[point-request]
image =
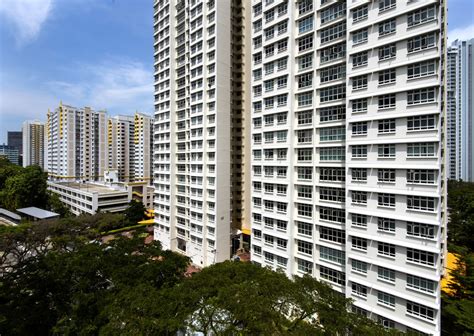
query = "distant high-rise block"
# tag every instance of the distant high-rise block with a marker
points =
(15, 140)
(76, 143)
(460, 110)
(201, 109)
(33, 143)
(9, 152)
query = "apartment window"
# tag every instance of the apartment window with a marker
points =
(387, 51)
(332, 255)
(282, 9)
(332, 73)
(360, 13)
(305, 117)
(332, 275)
(334, 235)
(305, 62)
(305, 43)
(268, 86)
(334, 12)
(421, 16)
(421, 284)
(386, 249)
(385, 299)
(305, 6)
(304, 266)
(305, 173)
(282, 63)
(360, 36)
(305, 154)
(421, 149)
(420, 257)
(305, 80)
(304, 247)
(359, 197)
(385, 5)
(332, 134)
(421, 69)
(385, 322)
(421, 96)
(305, 191)
(360, 59)
(305, 99)
(359, 128)
(387, 27)
(359, 266)
(387, 101)
(359, 82)
(305, 25)
(386, 151)
(281, 225)
(421, 42)
(257, 42)
(331, 194)
(332, 113)
(420, 230)
(386, 175)
(305, 136)
(332, 215)
(424, 122)
(386, 274)
(269, 50)
(359, 220)
(305, 229)
(359, 105)
(420, 311)
(421, 203)
(386, 126)
(257, 26)
(257, 74)
(332, 53)
(257, 9)
(282, 100)
(305, 210)
(333, 32)
(359, 290)
(387, 76)
(332, 154)
(282, 27)
(257, 234)
(359, 151)
(421, 176)
(332, 174)
(386, 224)
(359, 174)
(332, 93)
(359, 243)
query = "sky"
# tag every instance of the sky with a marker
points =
(96, 53)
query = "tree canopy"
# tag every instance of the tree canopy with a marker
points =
(62, 279)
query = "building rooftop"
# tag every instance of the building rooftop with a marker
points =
(9, 214)
(37, 213)
(90, 187)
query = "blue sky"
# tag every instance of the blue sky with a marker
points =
(96, 53)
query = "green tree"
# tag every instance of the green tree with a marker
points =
(55, 205)
(135, 212)
(461, 214)
(25, 189)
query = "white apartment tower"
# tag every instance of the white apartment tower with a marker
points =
(460, 110)
(120, 143)
(142, 147)
(348, 179)
(76, 143)
(33, 143)
(199, 153)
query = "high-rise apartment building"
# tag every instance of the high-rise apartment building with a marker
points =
(15, 140)
(33, 143)
(120, 144)
(348, 179)
(10, 152)
(199, 138)
(143, 145)
(460, 110)
(76, 143)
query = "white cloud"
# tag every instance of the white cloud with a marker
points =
(26, 16)
(118, 85)
(462, 33)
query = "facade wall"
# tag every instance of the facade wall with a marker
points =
(347, 150)
(33, 143)
(198, 138)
